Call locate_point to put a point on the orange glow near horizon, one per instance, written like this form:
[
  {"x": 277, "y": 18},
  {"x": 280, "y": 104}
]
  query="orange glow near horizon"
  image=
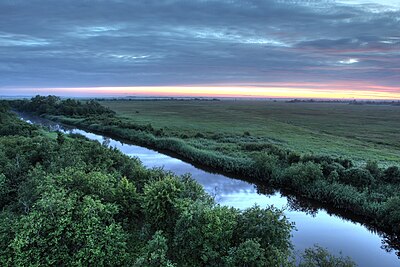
[{"x": 253, "y": 90}]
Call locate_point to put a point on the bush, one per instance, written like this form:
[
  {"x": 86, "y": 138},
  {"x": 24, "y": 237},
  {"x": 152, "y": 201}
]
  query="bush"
[
  {"x": 373, "y": 168},
  {"x": 392, "y": 174},
  {"x": 269, "y": 226},
  {"x": 293, "y": 157},
  {"x": 357, "y": 177},
  {"x": 266, "y": 166},
  {"x": 328, "y": 168},
  {"x": 248, "y": 253},
  {"x": 161, "y": 203},
  {"x": 301, "y": 175},
  {"x": 80, "y": 232},
  {"x": 391, "y": 213},
  {"x": 203, "y": 235},
  {"x": 155, "y": 253}
]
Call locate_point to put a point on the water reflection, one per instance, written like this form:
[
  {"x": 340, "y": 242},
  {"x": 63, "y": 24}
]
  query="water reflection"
[{"x": 315, "y": 224}]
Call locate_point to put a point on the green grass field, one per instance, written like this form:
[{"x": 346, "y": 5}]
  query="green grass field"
[{"x": 359, "y": 132}]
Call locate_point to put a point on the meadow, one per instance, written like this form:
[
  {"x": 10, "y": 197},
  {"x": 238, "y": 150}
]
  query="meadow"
[{"x": 358, "y": 132}]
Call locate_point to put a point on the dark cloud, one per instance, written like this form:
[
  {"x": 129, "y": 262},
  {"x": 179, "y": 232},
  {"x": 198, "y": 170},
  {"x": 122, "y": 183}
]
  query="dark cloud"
[{"x": 67, "y": 43}]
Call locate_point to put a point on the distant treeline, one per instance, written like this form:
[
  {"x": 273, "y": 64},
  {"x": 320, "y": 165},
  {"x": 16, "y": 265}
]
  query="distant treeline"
[
  {"x": 352, "y": 102},
  {"x": 55, "y": 106},
  {"x": 67, "y": 201},
  {"x": 368, "y": 191}
]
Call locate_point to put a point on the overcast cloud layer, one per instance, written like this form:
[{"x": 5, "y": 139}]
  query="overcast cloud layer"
[{"x": 70, "y": 43}]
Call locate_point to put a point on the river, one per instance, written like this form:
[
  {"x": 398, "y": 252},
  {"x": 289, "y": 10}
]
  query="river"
[{"x": 313, "y": 226}]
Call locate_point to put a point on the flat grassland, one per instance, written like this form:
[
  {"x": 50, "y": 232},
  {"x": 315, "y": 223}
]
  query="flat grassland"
[{"x": 359, "y": 132}]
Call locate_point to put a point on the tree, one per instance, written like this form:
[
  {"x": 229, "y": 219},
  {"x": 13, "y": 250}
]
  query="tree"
[
  {"x": 72, "y": 230},
  {"x": 249, "y": 253},
  {"x": 270, "y": 228},
  {"x": 7, "y": 233},
  {"x": 60, "y": 138},
  {"x": 4, "y": 107},
  {"x": 128, "y": 199},
  {"x": 203, "y": 235},
  {"x": 161, "y": 203},
  {"x": 155, "y": 253},
  {"x": 4, "y": 189}
]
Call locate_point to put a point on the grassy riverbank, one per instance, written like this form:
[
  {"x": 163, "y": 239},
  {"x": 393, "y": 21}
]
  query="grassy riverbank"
[
  {"x": 357, "y": 132},
  {"x": 367, "y": 190}
]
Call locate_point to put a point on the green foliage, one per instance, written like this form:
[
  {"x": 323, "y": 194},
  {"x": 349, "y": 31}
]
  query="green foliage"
[
  {"x": 4, "y": 189},
  {"x": 7, "y": 233},
  {"x": 60, "y": 138},
  {"x": 293, "y": 157},
  {"x": 333, "y": 176},
  {"x": 302, "y": 174},
  {"x": 373, "y": 168},
  {"x": 392, "y": 174},
  {"x": 357, "y": 177},
  {"x": 249, "y": 253},
  {"x": 53, "y": 105},
  {"x": 269, "y": 227},
  {"x": 10, "y": 126},
  {"x": 204, "y": 234},
  {"x": 319, "y": 257},
  {"x": 78, "y": 231},
  {"x": 193, "y": 191},
  {"x": 161, "y": 201},
  {"x": 329, "y": 167},
  {"x": 266, "y": 166},
  {"x": 391, "y": 212},
  {"x": 155, "y": 253},
  {"x": 126, "y": 196},
  {"x": 4, "y": 107}
]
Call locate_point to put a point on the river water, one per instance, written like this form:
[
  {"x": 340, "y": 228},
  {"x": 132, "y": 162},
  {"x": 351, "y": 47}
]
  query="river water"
[{"x": 331, "y": 231}]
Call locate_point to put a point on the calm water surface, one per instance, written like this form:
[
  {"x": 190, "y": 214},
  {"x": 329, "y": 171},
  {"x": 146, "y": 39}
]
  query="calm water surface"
[{"x": 327, "y": 230}]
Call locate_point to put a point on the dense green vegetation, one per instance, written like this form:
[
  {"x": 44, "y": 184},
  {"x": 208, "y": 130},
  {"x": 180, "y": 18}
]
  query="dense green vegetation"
[
  {"x": 69, "y": 201},
  {"x": 368, "y": 190},
  {"x": 69, "y": 107}
]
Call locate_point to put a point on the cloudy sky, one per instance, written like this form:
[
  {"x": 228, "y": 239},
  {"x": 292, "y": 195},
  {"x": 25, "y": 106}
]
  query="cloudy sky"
[{"x": 347, "y": 48}]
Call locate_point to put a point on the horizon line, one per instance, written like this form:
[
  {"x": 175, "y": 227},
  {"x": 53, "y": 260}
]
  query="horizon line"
[{"x": 306, "y": 90}]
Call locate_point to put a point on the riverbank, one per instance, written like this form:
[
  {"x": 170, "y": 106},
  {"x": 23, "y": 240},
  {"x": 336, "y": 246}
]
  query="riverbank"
[
  {"x": 343, "y": 199},
  {"x": 356, "y": 132}
]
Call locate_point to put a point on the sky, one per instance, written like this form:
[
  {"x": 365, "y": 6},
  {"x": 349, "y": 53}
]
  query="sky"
[{"x": 251, "y": 48}]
